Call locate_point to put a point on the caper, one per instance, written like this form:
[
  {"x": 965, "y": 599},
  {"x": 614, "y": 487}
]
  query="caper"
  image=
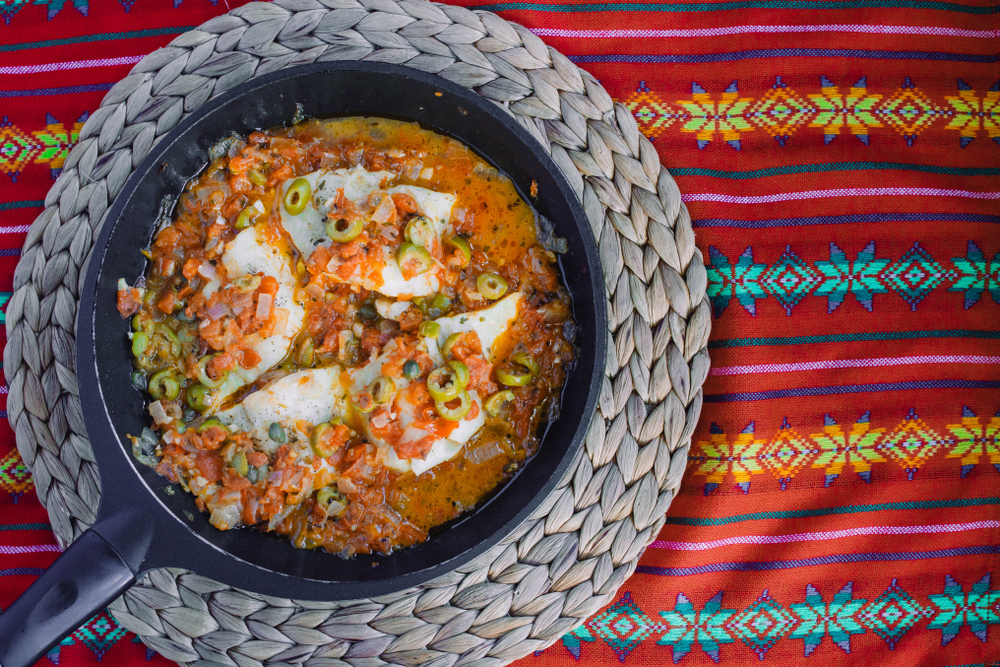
[
  {"x": 276, "y": 432},
  {"x": 139, "y": 380},
  {"x": 411, "y": 370}
]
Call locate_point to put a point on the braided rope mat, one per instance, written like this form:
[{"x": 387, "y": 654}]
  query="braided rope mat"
[{"x": 570, "y": 557}]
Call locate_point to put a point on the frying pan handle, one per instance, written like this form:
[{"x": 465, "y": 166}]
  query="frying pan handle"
[{"x": 88, "y": 576}]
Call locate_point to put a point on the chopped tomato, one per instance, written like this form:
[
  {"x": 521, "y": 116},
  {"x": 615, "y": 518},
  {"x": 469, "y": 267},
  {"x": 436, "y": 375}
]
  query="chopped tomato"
[
  {"x": 268, "y": 285},
  {"x": 479, "y": 375},
  {"x": 166, "y": 302},
  {"x": 240, "y": 183},
  {"x": 129, "y": 302},
  {"x": 282, "y": 173},
  {"x": 404, "y": 203},
  {"x": 467, "y": 345},
  {"x": 209, "y": 465},
  {"x": 256, "y": 459},
  {"x": 241, "y": 164}
]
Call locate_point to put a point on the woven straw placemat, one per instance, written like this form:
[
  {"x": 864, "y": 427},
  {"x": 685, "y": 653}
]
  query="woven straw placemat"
[{"x": 561, "y": 565}]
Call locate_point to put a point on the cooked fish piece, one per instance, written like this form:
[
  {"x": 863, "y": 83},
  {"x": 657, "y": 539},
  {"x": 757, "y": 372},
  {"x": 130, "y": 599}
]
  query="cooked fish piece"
[
  {"x": 308, "y": 228},
  {"x": 250, "y": 254},
  {"x": 296, "y": 402},
  {"x": 489, "y": 324}
]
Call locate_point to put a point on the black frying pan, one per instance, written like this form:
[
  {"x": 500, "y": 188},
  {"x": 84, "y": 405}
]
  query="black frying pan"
[{"x": 142, "y": 523}]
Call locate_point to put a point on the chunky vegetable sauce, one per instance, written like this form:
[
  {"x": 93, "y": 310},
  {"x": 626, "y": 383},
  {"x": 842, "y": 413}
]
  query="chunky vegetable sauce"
[{"x": 349, "y": 333}]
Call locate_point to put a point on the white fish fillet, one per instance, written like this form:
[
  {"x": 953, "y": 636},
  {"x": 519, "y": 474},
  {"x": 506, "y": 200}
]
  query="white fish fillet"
[
  {"x": 489, "y": 324},
  {"x": 308, "y": 228},
  {"x": 249, "y": 254},
  {"x": 311, "y": 396}
]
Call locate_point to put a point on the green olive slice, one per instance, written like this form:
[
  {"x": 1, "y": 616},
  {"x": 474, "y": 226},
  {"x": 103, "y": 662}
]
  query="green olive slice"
[
  {"x": 454, "y": 414},
  {"x": 297, "y": 196},
  {"x": 491, "y": 286},
  {"x": 343, "y": 230}
]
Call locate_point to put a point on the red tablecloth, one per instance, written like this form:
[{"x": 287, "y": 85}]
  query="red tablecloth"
[{"x": 840, "y": 159}]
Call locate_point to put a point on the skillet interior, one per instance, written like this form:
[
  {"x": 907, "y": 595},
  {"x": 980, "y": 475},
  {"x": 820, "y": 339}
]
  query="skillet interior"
[{"x": 178, "y": 533}]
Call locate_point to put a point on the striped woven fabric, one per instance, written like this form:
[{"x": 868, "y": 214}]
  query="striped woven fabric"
[{"x": 840, "y": 159}]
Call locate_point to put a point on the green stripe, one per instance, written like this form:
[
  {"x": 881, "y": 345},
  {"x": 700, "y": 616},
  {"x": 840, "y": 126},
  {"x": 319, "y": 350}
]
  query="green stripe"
[
  {"x": 27, "y": 203},
  {"x": 99, "y": 37},
  {"x": 26, "y": 526},
  {"x": 829, "y": 511},
  {"x": 837, "y": 166},
  {"x": 739, "y": 4},
  {"x": 850, "y": 338}
]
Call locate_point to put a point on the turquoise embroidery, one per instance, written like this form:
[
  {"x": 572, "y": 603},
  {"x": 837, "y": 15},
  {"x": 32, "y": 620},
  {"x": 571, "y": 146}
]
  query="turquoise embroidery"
[
  {"x": 976, "y": 275},
  {"x": 834, "y": 618},
  {"x": 955, "y": 608},
  {"x": 765, "y": 622},
  {"x": 762, "y": 624},
  {"x": 791, "y": 278},
  {"x": 841, "y": 277},
  {"x": 741, "y": 281},
  {"x": 892, "y": 614},
  {"x": 687, "y": 626}
]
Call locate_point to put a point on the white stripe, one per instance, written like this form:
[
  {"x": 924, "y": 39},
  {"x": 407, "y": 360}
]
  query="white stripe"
[
  {"x": 854, "y": 363},
  {"x": 17, "y": 229},
  {"x": 33, "y": 549},
  {"x": 723, "y": 31},
  {"x": 842, "y": 192},
  {"x": 71, "y": 64}
]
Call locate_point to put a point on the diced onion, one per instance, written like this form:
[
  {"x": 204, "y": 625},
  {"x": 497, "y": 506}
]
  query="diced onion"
[
  {"x": 484, "y": 453},
  {"x": 225, "y": 517},
  {"x": 264, "y": 303},
  {"x": 314, "y": 290},
  {"x": 384, "y": 211},
  {"x": 207, "y": 271},
  {"x": 343, "y": 340},
  {"x": 217, "y": 311},
  {"x": 335, "y": 508},
  {"x": 391, "y": 310},
  {"x": 427, "y": 173},
  {"x": 157, "y": 412},
  {"x": 259, "y": 206},
  {"x": 198, "y": 484},
  {"x": 280, "y": 321},
  {"x": 280, "y": 516}
]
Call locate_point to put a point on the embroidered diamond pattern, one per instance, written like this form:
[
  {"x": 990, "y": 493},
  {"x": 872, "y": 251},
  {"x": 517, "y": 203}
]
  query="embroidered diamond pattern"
[
  {"x": 651, "y": 113},
  {"x": 100, "y": 633},
  {"x": 761, "y": 625},
  {"x": 781, "y": 112},
  {"x": 790, "y": 279},
  {"x": 14, "y": 475},
  {"x": 912, "y": 443},
  {"x": 786, "y": 453},
  {"x": 909, "y": 111},
  {"x": 914, "y": 275},
  {"x": 623, "y": 626},
  {"x": 17, "y": 149},
  {"x": 892, "y": 614}
]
